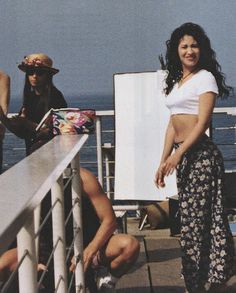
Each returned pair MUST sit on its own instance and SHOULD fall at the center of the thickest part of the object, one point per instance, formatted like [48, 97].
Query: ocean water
[224, 138]
[14, 147]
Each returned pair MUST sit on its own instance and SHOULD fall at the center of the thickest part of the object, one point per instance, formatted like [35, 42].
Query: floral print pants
[206, 240]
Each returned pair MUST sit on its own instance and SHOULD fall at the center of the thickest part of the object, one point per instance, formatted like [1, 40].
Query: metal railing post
[107, 170]
[99, 148]
[58, 226]
[28, 268]
[37, 212]
[77, 222]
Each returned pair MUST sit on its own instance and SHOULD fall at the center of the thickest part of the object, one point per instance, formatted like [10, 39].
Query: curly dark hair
[207, 59]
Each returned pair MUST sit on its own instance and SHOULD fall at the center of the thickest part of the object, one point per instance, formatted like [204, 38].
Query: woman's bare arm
[206, 106]
[167, 150]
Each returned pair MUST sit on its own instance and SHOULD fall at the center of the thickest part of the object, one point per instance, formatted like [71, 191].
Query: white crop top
[185, 99]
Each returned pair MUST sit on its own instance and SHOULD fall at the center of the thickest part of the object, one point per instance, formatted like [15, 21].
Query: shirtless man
[116, 252]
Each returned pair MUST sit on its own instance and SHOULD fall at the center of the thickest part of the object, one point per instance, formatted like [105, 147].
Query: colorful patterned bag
[73, 121]
[69, 121]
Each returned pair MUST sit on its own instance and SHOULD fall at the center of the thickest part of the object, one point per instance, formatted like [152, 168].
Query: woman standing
[193, 81]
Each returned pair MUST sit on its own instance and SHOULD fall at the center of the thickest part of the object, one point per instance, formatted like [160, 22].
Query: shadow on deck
[159, 265]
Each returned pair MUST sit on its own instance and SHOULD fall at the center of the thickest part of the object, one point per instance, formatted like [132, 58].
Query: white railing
[103, 162]
[97, 145]
[99, 116]
[23, 187]
[227, 110]
[106, 163]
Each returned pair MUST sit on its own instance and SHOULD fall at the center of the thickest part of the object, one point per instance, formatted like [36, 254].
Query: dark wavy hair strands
[44, 98]
[207, 58]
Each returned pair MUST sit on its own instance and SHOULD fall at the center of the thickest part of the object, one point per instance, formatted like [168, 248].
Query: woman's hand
[171, 163]
[167, 168]
[159, 177]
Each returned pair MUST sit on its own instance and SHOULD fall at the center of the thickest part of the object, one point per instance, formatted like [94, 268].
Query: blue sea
[14, 147]
[224, 138]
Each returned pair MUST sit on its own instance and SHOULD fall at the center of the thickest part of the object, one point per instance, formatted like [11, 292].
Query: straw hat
[38, 60]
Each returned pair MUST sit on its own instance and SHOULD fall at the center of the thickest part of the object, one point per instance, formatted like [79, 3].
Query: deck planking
[158, 269]
[137, 279]
[165, 264]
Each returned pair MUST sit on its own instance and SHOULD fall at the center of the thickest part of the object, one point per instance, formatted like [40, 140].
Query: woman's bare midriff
[183, 125]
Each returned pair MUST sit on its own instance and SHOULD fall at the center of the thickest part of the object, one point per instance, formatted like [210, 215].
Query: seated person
[116, 252]
[39, 96]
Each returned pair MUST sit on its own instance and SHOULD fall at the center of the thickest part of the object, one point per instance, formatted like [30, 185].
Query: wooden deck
[159, 264]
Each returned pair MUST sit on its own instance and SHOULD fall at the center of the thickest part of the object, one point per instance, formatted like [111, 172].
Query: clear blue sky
[90, 40]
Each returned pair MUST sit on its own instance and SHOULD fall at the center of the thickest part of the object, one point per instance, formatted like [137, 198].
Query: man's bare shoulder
[90, 184]
[87, 175]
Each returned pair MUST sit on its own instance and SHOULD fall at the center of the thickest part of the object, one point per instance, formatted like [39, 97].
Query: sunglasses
[37, 71]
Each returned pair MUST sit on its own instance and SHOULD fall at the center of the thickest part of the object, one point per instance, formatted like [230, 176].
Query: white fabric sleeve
[207, 83]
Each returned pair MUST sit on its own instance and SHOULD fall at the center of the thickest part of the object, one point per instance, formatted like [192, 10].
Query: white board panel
[141, 118]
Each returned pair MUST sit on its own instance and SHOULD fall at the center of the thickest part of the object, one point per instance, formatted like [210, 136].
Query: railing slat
[58, 224]
[28, 268]
[77, 222]
[99, 149]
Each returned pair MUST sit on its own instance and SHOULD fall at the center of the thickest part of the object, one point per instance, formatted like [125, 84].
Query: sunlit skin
[186, 128]
[5, 96]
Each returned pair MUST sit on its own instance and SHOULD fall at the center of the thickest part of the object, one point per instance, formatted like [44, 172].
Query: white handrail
[23, 187]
